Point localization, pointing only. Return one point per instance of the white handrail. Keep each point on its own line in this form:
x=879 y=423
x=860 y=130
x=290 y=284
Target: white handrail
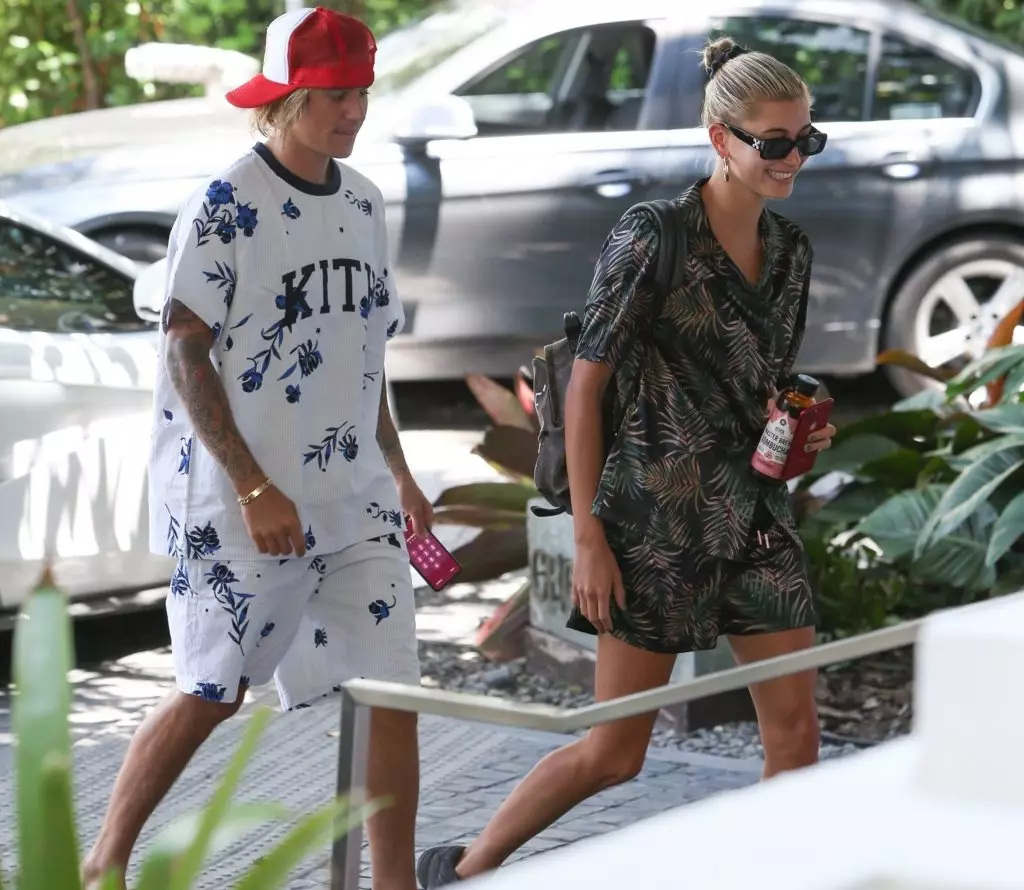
x=360 y=695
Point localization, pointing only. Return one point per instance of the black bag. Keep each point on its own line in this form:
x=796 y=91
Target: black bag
x=552 y=369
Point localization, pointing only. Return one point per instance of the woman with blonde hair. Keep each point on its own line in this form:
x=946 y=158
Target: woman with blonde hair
x=677 y=541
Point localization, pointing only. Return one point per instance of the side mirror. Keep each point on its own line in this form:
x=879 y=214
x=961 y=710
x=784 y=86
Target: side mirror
x=446 y=117
x=148 y=291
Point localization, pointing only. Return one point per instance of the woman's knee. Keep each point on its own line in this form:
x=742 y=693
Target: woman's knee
x=613 y=758
x=792 y=738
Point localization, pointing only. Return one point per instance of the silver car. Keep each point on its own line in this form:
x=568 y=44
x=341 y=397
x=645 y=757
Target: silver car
x=509 y=137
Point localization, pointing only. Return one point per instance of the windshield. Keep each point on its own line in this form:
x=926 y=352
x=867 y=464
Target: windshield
x=410 y=51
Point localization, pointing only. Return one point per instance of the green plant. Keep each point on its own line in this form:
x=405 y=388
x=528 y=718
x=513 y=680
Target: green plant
x=48 y=844
x=935 y=483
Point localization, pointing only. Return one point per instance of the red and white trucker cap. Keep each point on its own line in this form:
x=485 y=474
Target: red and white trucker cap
x=314 y=48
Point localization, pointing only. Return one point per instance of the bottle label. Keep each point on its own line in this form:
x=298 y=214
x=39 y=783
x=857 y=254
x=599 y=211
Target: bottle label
x=773 y=449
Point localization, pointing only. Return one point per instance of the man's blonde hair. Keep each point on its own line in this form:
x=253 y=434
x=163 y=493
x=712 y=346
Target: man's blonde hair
x=275 y=117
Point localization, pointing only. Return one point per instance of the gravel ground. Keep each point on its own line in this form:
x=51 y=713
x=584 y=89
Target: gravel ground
x=460 y=669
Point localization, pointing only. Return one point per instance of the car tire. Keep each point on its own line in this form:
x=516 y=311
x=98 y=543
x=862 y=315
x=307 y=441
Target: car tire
x=919 y=306
x=144 y=246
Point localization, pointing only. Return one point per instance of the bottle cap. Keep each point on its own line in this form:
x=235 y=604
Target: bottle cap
x=805 y=384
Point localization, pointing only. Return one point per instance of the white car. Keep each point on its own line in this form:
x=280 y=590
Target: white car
x=77 y=367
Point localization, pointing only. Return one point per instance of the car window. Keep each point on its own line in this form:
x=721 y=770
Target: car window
x=48 y=286
x=914 y=83
x=585 y=80
x=832 y=58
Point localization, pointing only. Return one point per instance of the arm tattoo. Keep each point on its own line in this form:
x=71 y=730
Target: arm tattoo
x=199 y=387
x=387 y=435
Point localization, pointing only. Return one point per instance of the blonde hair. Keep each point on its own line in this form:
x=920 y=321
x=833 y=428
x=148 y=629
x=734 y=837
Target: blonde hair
x=739 y=79
x=278 y=116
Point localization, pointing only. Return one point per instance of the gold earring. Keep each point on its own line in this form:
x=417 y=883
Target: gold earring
x=726 y=168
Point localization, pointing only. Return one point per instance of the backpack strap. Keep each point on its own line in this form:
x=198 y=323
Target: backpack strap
x=670 y=271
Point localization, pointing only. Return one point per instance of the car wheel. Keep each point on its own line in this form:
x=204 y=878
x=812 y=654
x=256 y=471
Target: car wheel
x=144 y=246
x=948 y=308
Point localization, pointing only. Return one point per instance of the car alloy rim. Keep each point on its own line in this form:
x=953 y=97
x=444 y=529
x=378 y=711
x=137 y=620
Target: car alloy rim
x=960 y=311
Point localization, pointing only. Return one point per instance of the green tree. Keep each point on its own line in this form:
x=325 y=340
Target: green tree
x=1005 y=18
x=62 y=56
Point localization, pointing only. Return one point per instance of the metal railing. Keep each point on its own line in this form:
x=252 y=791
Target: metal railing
x=358 y=696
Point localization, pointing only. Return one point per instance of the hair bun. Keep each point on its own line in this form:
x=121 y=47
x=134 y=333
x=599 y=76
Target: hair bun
x=720 y=51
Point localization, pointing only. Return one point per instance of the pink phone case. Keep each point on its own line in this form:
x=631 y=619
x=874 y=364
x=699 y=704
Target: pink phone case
x=431 y=559
x=814 y=418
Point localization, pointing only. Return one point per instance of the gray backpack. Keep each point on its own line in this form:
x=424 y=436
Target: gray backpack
x=552 y=369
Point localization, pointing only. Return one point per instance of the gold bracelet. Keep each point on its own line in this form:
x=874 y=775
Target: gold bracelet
x=255 y=493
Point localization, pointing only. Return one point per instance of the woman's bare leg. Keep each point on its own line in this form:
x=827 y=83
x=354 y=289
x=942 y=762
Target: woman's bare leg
x=608 y=755
x=786 y=711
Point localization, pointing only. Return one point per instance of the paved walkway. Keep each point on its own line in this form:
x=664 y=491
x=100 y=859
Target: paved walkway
x=467 y=770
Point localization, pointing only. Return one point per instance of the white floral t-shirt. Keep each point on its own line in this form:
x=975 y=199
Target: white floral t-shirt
x=293 y=279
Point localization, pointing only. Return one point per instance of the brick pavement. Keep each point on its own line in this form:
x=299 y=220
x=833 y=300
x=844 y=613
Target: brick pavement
x=467 y=770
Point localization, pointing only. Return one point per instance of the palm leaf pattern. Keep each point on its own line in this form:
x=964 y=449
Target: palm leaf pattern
x=693 y=373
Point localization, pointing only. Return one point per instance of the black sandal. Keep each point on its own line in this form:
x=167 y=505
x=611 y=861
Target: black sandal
x=436 y=866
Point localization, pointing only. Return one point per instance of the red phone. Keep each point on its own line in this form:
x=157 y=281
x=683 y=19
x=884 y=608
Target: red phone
x=431 y=558
x=814 y=418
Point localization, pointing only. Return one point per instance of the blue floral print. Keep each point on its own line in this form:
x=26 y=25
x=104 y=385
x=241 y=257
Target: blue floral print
x=224 y=278
x=320 y=637
x=394 y=517
x=362 y=203
x=222 y=580
x=222 y=216
x=290 y=210
x=185 y=456
x=200 y=542
x=292 y=394
x=381 y=609
x=209 y=691
x=340 y=439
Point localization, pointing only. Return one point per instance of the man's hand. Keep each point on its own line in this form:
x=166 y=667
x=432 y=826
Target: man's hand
x=415 y=504
x=273 y=524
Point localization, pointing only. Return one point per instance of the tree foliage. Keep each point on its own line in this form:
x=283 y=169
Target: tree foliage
x=62 y=56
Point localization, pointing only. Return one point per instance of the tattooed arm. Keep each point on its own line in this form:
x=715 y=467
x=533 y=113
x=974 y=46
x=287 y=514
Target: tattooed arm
x=387 y=435
x=187 y=357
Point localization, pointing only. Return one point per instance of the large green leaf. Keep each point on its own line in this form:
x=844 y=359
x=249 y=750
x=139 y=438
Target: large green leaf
x=510 y=450
x=478 y=517
x=976 y=453
x=314 y=831
x=1007 y=530
x=42 y=657
x=958 y=561
x=896 y=524
x=1002 y=418
x=968 y=493
x=911 y=429
x=511 y=496
x=849 y=454
x=929 y=399
x=852 y=504
x=901 y=469
x=992 y=365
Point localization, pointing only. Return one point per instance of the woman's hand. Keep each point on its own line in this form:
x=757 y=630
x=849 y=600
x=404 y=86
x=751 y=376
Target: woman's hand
x=415 y=505
x=821 y=439
x=595 y=580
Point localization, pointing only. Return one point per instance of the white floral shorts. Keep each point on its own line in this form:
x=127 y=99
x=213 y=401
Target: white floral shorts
x=309 y=624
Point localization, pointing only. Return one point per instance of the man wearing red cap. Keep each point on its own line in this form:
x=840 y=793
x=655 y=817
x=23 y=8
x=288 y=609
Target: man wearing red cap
x=277 y=478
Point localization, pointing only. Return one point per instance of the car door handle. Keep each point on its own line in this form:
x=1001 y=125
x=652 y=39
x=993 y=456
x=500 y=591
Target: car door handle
x=615 y=183
x=902 y=165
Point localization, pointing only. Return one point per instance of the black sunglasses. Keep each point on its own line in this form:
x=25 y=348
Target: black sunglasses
x=779 y=147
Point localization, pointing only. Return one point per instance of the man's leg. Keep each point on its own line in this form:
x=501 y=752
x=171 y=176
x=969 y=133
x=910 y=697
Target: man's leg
x=216 y=656
x=362 y=623
x=159 y=751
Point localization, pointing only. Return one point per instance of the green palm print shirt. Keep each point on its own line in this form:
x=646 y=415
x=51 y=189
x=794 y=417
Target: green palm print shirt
x=693 y=376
